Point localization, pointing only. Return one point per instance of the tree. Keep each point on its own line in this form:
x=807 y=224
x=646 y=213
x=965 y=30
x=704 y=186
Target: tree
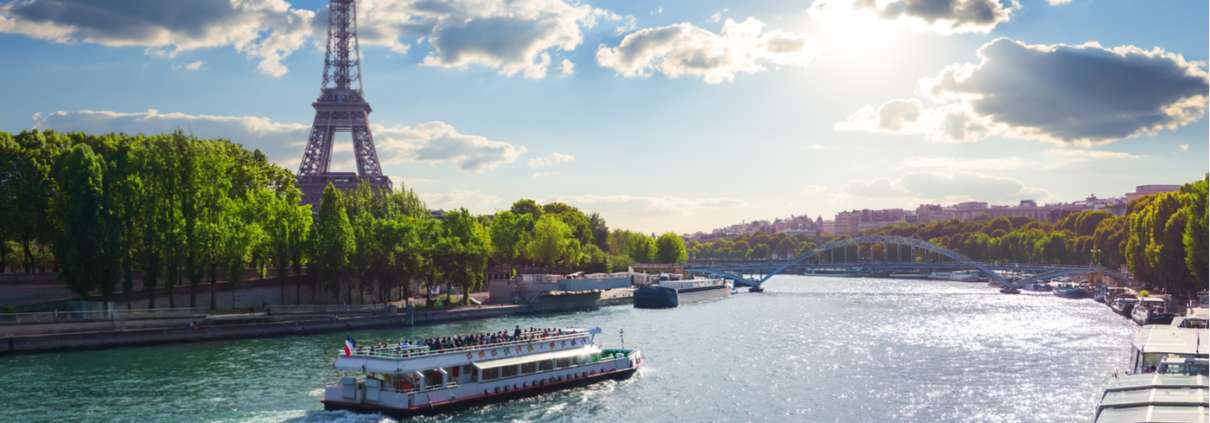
x=670 y=248
x=529 y=207
x=1195 y=232
x=466 y=246
x=334 y=240
x=551 y=244
x=80 y=248
x=600 y=231
x=509 y=234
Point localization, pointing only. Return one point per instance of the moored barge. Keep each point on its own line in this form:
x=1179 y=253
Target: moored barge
x=671 y=293
x=452 y=373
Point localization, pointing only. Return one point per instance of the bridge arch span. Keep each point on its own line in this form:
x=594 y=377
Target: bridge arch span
x=755 y=274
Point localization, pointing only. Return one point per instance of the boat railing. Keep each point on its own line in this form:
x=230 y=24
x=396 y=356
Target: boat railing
x=396 y=352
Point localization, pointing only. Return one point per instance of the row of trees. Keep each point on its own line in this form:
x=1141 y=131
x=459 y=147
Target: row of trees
x=559 y=237
x=1161 y=239
x=756 y=246
x=170 y=210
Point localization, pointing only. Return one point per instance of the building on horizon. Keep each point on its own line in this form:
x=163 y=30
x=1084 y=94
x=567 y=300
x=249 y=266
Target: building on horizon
x=852 y=222
x=1145 y=190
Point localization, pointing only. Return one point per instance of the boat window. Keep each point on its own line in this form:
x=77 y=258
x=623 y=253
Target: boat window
x=527 y=368
x=489 y=374
x=454 y=372
x=508 y=371
x=563 y=362
x=545 y=365
x=432 y=377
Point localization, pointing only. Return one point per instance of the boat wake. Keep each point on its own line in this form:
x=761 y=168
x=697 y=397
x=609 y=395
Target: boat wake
x=340 y=417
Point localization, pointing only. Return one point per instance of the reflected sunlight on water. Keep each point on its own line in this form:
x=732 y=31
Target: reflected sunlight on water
x=809 y=349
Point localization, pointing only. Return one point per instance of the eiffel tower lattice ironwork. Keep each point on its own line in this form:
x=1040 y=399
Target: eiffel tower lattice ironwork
x=341 y=107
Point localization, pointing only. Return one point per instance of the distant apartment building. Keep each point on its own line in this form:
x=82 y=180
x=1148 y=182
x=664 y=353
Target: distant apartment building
x=1145 y=190
x=856 y=221
x=853 y=222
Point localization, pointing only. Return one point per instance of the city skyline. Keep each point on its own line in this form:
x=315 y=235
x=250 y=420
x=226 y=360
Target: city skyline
x=680 y=116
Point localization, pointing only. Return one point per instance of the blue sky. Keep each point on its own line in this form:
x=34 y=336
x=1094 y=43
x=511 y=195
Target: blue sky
x=676 y=115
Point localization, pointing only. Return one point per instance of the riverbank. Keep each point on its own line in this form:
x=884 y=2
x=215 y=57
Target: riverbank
x=280 y=321
x=252 y=326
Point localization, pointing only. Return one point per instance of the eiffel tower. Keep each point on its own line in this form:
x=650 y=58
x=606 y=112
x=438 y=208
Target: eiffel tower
x=341 y=107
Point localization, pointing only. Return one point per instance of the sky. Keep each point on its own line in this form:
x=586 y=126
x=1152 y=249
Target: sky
x=660 y=115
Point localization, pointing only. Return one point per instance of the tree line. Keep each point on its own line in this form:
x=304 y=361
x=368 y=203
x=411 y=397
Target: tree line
x=1161 y=240
x=174 y=210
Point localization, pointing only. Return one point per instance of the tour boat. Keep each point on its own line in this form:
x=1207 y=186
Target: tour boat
x=1176 y=392
x=451 y=373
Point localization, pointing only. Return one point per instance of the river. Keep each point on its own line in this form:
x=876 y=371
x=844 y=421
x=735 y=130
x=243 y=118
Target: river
x=808 y=349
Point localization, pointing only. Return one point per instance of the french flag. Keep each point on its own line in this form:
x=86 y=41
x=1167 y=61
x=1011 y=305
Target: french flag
x=350 y=345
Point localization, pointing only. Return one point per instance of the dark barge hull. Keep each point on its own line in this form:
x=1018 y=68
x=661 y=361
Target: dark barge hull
x=665 y=297
x=448 y=407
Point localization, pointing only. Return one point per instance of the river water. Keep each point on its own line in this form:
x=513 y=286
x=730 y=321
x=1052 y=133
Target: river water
x=808 y=349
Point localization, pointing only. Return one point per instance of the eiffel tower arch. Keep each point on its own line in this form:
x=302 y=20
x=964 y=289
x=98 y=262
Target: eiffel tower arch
x=341 y=107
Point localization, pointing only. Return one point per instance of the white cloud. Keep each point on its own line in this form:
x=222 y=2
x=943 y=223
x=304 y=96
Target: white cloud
x=1056 y=158
x=816 y=147
x=814 y=189
x=1058 y=2
x=440 y=142
x=1183 y=147
x=685 y=49
x=966 y=165
x=567 y=68
x=551 y=160
x=193 y=66
x=515 y=37
x=265 y=30
x=939 y=16
x=537 y=175
x=474 y=200
x=1065 y=94
x=283 y=142
x=717 y=16
x=943 y=187
x=512 y=37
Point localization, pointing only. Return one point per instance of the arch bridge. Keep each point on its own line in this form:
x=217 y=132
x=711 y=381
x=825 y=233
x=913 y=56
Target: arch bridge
x=877 y=255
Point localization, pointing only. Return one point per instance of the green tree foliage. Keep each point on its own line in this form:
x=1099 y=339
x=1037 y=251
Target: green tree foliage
x=510 y=234
x=80 y=248
x=334 y=243
x=464 y=248
x=1194 y=236
x=640 y=248
x=670 y=248
x=551 y=244
x=177 y=210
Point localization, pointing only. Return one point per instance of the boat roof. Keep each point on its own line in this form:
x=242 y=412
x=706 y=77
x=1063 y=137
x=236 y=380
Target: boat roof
x=1152 y=299
x=1157 y=380
x=394 y=359
x=1169 y=339
x=1192 y=397
x=512 y=361
x=1154 y=413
